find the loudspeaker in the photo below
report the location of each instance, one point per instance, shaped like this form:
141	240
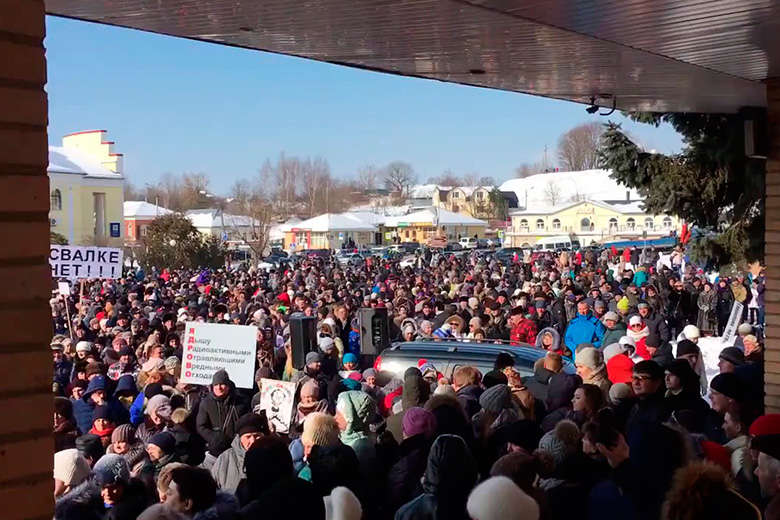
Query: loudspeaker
374	330
303	338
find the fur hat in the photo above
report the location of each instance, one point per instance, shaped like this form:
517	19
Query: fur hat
70	467
342	504
498	498
179	415
252	423
320	429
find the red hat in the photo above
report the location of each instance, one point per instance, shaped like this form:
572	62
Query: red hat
718	454
767	424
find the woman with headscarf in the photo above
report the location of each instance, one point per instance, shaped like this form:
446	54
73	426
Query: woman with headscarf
309	402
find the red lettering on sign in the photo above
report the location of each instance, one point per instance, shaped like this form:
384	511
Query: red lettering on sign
189	365
188	373
189	356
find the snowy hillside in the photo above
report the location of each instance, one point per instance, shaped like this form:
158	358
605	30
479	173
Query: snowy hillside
590	184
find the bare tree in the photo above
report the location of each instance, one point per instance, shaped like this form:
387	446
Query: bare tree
527	169
578	148
487	181
470	179
577	195
250	199
315	175
399	177
448	178
367	177
552	193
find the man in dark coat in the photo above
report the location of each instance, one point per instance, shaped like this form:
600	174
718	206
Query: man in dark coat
655	322
415	393
217	416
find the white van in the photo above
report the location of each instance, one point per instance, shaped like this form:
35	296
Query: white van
557	243
468	242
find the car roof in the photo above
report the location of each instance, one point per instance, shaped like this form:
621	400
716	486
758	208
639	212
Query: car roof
472	350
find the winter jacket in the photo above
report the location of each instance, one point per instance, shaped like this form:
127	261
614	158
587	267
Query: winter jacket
584	329
403	479
217	417
84	502
656	323
84	408
415	393
190	447
228	470
620	369
449	476
613	335
135	456
539	382
468	397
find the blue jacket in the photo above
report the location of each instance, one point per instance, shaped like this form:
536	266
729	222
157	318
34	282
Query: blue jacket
640	277
584	329
137	410
84	408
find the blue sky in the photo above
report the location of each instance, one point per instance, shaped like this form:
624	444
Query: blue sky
174	105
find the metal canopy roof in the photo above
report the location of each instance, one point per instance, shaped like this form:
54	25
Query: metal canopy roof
663	55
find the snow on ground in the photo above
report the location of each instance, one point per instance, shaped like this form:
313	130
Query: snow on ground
710	349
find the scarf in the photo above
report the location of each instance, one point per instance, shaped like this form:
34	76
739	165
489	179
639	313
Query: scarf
317	406
103	433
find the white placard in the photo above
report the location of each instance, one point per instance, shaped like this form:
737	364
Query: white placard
80	262
209	347
730	331
63	288
277	399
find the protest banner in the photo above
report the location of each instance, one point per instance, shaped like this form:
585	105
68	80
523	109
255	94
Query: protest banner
80	262
730	331
63	288
209	347
277	399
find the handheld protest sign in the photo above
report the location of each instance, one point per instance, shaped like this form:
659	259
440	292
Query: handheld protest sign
277	399
209	347
79	262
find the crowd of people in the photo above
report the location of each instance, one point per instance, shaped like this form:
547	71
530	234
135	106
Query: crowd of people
638	432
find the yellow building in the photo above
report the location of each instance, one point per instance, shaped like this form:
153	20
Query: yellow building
591	221
86	189
424	225
467	200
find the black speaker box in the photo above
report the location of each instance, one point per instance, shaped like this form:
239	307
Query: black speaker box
374	330
303	338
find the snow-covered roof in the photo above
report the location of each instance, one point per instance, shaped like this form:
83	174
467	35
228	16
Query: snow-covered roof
628	208
337	222
277	231
424	191
533	191
143	209
212	218
469	190
445	218
69	160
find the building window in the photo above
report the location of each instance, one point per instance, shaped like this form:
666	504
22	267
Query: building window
630	224
56	200
667	222
480	195
455	195
143	229
585	224
613	224
556	223
523	225
649	223
539	224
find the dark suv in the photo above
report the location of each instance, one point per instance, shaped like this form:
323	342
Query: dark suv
446	356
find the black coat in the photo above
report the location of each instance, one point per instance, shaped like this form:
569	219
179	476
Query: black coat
657	325
468	397
217	418
403	479
539	382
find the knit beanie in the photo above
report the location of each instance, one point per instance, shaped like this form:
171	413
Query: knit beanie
171	363
744	329
313	357
123	433
493	378
252	423
112	469
733	355
729	385
650	368
320	429
159	405
591	358
498	498
369	372
653	340
311	388
686	347
342	504
326	344
620	391
418	421
101	412
220	377
152	389
561	441
163	440
496	398
70	467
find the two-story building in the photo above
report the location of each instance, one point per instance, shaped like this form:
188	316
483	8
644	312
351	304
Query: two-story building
591	221
86	189
138	215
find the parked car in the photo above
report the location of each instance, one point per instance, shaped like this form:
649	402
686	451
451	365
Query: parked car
505	254
349	258
318	253
468	242
446	356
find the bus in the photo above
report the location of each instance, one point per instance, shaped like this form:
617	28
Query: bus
558	243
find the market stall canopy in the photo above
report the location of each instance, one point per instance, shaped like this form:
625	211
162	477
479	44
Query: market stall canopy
661	55
335	222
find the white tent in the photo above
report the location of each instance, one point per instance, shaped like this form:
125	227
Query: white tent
336	222
439	217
